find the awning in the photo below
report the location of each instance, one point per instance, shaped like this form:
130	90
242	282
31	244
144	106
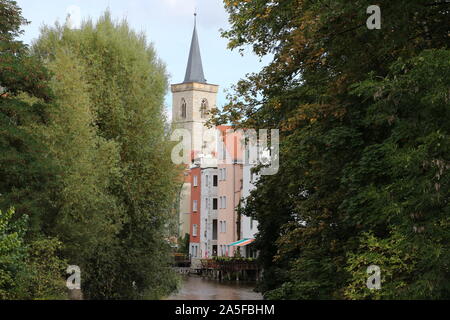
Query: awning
241	243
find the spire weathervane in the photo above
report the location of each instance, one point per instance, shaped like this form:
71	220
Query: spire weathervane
195	16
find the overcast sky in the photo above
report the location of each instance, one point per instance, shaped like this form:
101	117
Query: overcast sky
168	24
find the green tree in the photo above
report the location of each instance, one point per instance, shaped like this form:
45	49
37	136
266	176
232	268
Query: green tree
46	270
122	87
88	216
25	173
12	256
31	271
357	156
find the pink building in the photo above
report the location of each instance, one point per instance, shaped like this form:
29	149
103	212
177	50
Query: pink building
230	170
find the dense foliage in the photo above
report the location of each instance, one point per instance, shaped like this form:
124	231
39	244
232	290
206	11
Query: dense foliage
365	153
109	139
24	171
28	271
84	155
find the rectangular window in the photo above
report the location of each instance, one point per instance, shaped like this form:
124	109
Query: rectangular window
224	151
224	227
207	180
224	174
195	181
215	182
223	204
195	206
215	204
194	230
214	232
251	223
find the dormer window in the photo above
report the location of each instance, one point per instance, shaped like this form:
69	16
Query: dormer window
204	108
183	109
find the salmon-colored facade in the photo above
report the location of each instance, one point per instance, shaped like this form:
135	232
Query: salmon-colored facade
196	192
230	169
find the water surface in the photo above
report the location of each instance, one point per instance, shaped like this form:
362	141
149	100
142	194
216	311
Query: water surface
197	288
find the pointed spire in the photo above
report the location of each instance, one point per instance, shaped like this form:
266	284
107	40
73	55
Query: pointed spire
194	70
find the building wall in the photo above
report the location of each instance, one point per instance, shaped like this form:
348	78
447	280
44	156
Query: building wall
249	228
193	94
195	214
208	213
230	188
185	210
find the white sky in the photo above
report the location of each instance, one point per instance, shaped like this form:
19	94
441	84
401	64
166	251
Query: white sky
168	24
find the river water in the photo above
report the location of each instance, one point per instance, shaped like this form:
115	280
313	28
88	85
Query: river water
198	288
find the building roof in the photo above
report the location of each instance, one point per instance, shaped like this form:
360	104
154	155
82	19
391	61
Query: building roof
194	70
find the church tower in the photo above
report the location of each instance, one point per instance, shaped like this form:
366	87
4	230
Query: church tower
193	98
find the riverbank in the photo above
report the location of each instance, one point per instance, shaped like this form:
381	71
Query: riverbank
198	288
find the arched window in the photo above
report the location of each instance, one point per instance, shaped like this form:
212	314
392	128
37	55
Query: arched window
204	108
183	109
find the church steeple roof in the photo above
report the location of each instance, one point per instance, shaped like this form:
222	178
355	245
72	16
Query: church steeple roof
194	70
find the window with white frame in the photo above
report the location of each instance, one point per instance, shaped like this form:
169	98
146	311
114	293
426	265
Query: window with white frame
223	226
223	174
194	230
223	202
195	205
224	151
195	181
207	180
